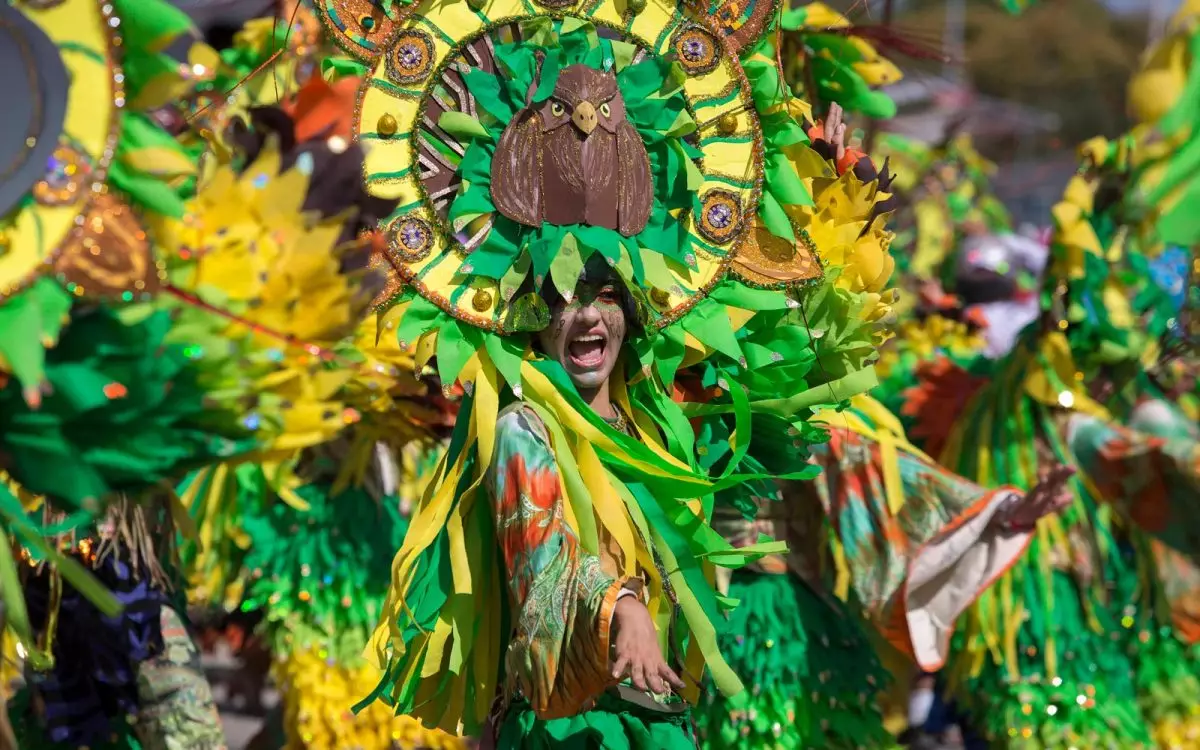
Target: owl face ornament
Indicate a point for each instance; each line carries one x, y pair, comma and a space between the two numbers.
574, 159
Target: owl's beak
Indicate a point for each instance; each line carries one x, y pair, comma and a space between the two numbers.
584, 117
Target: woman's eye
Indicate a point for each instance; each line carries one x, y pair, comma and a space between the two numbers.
557, 109
604, 109
609, 295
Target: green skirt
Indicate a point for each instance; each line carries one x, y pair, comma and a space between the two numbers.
1091, 701
612, 724
811, 672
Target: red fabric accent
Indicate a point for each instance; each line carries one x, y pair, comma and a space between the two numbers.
324, 110
849, 159
942, 392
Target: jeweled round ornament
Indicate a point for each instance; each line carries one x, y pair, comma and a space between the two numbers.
411, 57
53, 163
720, 218
410, 239
35, 104
697, 50
66, 178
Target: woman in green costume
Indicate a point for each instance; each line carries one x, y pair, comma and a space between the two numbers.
583, 195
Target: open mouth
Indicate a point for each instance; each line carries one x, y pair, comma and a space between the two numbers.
587, 351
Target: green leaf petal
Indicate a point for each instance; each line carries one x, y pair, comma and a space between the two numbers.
421, 316
567, 266
507, 354
454, 347
463, 125
775, 219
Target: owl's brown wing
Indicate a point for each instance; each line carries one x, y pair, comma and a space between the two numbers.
635, 186
516, 176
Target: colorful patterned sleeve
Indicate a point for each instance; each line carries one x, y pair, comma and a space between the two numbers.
1153, 480
562, 599
918, 560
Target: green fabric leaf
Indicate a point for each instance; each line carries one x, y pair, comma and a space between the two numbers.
147, 192
529, 313
454, 349
420, 317
774, 218
462, 125
151, 24
539, 31
783, 183
567, 266
507, 354
693, 179
30, 320
794, 19
490, 94
515, 277
709, 322
337, 68
623, 54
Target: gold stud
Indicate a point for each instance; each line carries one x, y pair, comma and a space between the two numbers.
482, 300
637, 6
387, 126
728, 123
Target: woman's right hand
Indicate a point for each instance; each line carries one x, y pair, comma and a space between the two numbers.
636, 653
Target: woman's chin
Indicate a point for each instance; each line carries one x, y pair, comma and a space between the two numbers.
588, 379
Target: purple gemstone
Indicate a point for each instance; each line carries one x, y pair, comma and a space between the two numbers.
56, 173
412, 235
410, 55
693, 49
720, 215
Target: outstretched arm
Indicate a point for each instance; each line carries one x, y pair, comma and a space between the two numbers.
920, 542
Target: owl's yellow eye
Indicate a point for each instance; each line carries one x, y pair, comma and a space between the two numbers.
604, 110
557, 109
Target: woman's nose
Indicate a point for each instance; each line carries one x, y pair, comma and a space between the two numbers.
589, 314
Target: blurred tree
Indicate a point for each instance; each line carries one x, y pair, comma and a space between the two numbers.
1070, 57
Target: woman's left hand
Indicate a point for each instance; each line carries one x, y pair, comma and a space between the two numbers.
1049, 495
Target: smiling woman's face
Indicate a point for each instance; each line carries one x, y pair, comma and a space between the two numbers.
585, 334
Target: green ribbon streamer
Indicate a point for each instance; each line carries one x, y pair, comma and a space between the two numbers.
833, 392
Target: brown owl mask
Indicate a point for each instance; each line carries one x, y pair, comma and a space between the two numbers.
574, 159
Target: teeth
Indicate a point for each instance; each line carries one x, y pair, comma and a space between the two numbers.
580, 339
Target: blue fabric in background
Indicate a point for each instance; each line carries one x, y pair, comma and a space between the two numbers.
1170, 272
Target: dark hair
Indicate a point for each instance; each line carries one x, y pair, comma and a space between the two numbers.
979, 286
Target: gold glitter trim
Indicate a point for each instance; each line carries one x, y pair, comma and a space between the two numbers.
771, 262
109, 23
